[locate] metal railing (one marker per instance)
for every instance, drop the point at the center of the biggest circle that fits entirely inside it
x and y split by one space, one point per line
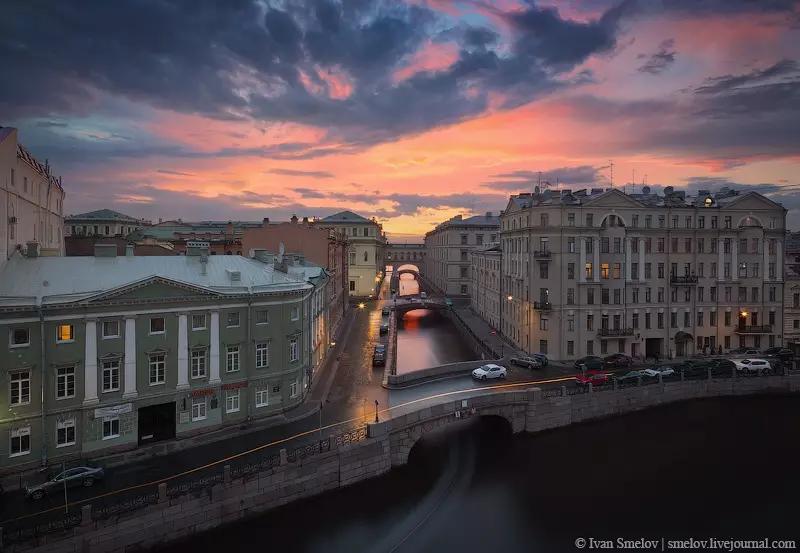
542 254
611 332
541 306
688 279
753 329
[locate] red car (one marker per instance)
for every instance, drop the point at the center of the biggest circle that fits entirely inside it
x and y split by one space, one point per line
596 378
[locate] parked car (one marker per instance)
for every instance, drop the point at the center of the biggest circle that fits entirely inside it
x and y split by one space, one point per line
526 362
385 310
542 358
592 362
784 354
595 378
379 354
618 360
629 376
448 302
384 328
77 476
753 366
489 371
664 370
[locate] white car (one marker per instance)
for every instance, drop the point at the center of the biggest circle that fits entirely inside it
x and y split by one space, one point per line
489 371
654 370
754 366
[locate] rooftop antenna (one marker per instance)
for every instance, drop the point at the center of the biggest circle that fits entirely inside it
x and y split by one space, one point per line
611 165
633 182
539 183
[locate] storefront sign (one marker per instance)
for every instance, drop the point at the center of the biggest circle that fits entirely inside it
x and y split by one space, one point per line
113 411
234 386
203 392
184 417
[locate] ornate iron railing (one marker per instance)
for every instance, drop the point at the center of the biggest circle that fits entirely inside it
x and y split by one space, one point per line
24 533
541 306
351 437
128 505
753 329
688 279
551 392
611 332
250 467
196 484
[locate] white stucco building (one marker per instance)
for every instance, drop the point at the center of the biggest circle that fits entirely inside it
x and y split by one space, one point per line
366 244
31 200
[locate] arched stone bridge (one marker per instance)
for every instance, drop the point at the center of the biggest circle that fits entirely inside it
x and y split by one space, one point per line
434 304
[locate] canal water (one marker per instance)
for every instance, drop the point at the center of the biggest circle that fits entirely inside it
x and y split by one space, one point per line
425 339
718 468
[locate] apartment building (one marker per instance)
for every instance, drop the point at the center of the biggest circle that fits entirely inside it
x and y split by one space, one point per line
102 223
447 262
485 290
365 251
147 349
31 200
397 254
791 305
599 272
323 246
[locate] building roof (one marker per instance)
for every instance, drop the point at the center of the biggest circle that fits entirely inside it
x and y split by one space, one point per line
792 243
346 217
59 280
458 221
104 215
25 155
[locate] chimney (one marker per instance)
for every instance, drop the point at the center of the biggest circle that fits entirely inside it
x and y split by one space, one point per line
129 250
305 221
32 250
294 219
265 223
197 248
262 254
229 228
488 214
105 250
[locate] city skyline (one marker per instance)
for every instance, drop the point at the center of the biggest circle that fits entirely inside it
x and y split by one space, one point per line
410 112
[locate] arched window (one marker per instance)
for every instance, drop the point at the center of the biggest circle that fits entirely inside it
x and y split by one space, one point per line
239 252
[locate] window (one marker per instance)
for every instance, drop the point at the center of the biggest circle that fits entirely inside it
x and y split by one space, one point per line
232 359
199 408
20 441
772 317
570 347
604 271
198 322
544 270
635 321
157 325
674 245
352 285
110 427
19 337
110 329
231 401
634 221
366 255
65 333
65 433
589 321
699 318
463 239
478 241
19 388
262 397
570 271
545 219
65 382
570 219
233 319
293 393
590 347
589 220
111 375
712 318
617 270
570 323
604 245
463 289
590 296
293 350
157 369
673 320
198 363
571 244
294 314
262 355
728 221
570 296
543 323
352 256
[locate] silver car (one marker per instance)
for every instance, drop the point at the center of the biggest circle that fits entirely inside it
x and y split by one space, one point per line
78 476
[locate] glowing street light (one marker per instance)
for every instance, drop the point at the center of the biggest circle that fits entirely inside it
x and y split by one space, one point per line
510 298
361 306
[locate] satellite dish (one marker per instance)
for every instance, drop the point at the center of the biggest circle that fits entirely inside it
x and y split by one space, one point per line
281 250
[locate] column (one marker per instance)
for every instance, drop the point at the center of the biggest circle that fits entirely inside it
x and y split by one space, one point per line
129 379
628 260
779 260
582 268
215 348
765 270
183 351
90 364
735 262
641 259
720 259
596 263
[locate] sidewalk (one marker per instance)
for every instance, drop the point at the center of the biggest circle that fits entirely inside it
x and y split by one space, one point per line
481 330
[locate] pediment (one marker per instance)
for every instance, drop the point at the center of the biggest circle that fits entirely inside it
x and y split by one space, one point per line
613 199
753 200
153 288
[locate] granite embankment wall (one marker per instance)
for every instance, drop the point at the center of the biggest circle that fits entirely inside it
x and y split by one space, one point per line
442 371
250 490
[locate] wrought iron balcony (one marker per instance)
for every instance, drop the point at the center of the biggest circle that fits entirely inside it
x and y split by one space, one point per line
754 329
542 255
541 306
688 279
614 332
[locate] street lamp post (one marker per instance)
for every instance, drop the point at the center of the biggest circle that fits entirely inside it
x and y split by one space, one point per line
376 410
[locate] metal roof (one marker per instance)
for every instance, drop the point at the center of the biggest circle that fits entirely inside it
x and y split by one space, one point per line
346 217
104 215
73 279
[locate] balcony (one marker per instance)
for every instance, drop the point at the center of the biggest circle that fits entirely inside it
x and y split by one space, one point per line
687 280
541 306
542 255
754 329
614 332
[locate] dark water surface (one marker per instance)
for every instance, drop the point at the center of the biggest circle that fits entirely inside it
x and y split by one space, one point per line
717 468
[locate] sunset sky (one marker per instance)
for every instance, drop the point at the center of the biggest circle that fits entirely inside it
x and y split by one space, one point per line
410 111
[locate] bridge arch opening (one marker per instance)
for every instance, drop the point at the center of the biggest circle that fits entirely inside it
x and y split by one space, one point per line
488 432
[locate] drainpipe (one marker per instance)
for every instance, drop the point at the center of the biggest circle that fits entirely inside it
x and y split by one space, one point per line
249 345
42 361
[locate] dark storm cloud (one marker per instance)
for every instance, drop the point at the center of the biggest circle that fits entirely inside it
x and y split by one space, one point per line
521 181
176 173
308 193
296 173
729 6
192 56
781 69
661 60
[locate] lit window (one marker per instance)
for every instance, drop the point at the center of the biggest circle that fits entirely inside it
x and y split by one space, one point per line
65 333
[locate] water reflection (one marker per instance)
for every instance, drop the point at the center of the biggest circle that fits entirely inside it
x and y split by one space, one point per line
426 339
408 285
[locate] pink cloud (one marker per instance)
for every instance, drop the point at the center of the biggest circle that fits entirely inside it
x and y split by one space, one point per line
431 57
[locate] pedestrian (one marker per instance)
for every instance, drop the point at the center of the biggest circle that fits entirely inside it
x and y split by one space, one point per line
655 356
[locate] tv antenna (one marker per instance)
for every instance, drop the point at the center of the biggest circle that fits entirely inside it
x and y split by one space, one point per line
633 182
611 166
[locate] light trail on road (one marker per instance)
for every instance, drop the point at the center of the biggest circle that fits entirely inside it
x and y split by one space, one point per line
288 439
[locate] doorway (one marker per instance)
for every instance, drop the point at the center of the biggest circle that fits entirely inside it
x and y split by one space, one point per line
653 346
156 423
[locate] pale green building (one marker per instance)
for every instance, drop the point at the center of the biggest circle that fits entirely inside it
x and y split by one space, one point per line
108 353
